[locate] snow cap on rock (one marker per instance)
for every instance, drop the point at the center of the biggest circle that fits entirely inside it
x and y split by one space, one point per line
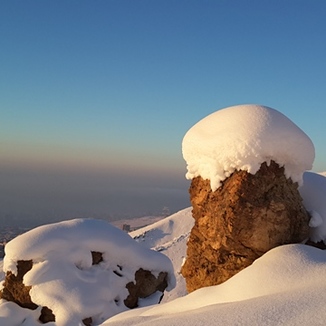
242 137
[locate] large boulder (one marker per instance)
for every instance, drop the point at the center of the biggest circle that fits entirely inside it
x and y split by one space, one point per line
82 271
246 163
240 221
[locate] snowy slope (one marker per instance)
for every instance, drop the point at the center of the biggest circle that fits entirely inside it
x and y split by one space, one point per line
169 236
286 286
313 193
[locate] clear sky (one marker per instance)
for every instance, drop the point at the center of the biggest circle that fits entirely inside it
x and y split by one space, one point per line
96 96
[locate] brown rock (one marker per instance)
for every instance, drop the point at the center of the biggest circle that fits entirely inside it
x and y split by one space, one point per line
46 315
14 288
97 257
145 285
244 218
87 321
320 244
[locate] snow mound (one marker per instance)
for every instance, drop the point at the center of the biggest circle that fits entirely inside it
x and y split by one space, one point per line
242 138
63 277
313 192
286 286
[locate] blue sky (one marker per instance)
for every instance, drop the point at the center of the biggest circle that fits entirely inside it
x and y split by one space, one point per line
96 96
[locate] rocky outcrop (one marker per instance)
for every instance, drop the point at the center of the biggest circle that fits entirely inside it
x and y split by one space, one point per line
145 285
240 221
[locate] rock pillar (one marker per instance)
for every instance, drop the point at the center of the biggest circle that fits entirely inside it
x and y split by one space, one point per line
240 221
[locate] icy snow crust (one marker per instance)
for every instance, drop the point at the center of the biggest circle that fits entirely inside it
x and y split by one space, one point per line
63 277
242 138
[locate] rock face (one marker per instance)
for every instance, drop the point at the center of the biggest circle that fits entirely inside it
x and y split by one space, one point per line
240 221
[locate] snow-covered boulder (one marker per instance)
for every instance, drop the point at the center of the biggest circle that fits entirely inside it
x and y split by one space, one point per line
242 137
246 163
83 270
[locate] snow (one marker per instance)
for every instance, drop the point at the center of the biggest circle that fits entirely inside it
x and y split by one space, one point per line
313 193
63 273
286 286
241 138
169 236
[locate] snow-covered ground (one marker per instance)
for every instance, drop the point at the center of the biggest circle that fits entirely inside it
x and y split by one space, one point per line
313 193
169 236
286 286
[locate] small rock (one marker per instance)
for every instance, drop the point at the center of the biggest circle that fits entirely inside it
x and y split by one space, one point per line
145 285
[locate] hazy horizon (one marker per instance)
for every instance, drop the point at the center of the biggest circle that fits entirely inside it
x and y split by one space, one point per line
56 195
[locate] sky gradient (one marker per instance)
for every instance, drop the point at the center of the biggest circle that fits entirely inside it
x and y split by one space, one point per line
96 96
